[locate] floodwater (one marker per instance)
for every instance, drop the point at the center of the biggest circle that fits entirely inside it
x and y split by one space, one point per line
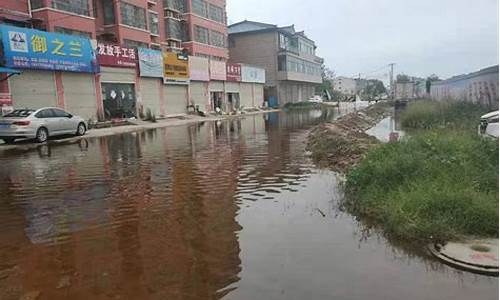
220 210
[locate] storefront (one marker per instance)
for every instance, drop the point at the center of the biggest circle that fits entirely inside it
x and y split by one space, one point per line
56 70
232 87
176 83
118 81
151 81
252 86
218 76
199 75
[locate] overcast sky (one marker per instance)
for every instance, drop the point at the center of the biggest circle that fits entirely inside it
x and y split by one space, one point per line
445 37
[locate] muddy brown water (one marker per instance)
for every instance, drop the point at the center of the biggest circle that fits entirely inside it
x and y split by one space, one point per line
220 210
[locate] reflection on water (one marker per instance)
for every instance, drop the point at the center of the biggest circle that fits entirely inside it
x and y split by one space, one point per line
389 129
230 209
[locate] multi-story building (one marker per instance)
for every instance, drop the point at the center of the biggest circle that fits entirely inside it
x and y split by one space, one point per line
289 57
197 25
349 86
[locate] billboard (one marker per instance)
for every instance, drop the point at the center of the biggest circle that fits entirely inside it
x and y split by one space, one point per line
176 68
217 70
34 49
116 56
233 72
198 68
150 63
253 74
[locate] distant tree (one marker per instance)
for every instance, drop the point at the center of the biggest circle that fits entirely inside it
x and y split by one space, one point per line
428 82
401 78
374 88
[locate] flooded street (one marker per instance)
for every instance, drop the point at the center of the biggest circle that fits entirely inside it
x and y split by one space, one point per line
217 210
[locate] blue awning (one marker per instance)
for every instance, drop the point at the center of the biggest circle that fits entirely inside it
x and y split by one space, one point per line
9 70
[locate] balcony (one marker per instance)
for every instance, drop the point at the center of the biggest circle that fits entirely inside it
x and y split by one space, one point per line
175 5
299 77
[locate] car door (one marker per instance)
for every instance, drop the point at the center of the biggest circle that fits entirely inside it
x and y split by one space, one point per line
64 122
48 120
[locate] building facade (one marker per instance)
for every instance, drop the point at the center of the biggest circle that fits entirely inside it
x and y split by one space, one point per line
289 58
117 29
477 87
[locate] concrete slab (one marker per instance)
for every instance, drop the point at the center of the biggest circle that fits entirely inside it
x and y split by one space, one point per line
478 256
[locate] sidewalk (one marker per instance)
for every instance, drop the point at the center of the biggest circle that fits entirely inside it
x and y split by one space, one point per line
188 119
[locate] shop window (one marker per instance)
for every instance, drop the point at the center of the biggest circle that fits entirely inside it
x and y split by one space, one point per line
132 15
79 33
200 34
108 12
200 8
216 13
154 25
80 7
217 39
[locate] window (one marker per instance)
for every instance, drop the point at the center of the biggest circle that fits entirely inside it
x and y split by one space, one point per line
174 29
178 5
36 4
231 42
59 113
46 113
133 15
155 47
216 13
217 39
305 47
282 63
134 44
154 25
200 8
79 33
108 12
201 34
80 7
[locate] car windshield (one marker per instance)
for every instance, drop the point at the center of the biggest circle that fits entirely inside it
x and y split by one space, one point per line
20 113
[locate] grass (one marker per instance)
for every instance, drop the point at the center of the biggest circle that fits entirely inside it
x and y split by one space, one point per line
301 105
439 184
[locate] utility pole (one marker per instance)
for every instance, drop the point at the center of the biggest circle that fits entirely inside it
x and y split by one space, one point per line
392 79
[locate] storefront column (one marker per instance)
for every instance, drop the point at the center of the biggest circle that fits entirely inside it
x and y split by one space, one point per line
59 89
162 97
98 97
209 106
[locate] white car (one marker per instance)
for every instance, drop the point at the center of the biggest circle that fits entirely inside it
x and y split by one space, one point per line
489 124
40 124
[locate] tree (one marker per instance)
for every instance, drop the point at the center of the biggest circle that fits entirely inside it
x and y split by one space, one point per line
428 82
327 76
401 78
374 88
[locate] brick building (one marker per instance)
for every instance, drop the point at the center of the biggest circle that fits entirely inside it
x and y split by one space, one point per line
289 57
196 26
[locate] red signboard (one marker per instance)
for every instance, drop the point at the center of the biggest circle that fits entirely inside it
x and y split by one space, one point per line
116 56
233 72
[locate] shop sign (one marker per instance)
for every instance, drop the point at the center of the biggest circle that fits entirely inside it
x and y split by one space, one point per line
198 68
217 70
150 63
233 72
253 74
116 56
34 49
176 68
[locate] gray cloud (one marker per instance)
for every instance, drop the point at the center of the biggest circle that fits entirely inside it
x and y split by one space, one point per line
445 37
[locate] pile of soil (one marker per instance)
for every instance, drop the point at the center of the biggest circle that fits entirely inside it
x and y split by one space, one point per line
343 143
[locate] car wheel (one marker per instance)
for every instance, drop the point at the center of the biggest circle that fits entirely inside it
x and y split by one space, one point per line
9 140
81 129
42 135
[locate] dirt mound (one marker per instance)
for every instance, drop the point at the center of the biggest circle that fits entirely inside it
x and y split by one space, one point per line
342 144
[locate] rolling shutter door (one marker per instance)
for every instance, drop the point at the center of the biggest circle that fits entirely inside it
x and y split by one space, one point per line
150 94
246 95
175 99
199 94
33 89
79 94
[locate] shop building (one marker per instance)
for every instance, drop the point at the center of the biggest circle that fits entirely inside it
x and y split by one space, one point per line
289 58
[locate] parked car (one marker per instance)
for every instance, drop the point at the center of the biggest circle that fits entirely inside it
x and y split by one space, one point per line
40 124
489 124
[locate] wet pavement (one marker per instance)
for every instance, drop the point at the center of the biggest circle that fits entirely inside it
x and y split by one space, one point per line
216 210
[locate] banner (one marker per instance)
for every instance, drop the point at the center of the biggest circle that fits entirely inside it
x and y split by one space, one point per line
217 70
253 74
116 56
198 68
150 63
34 49
233 72
176 68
